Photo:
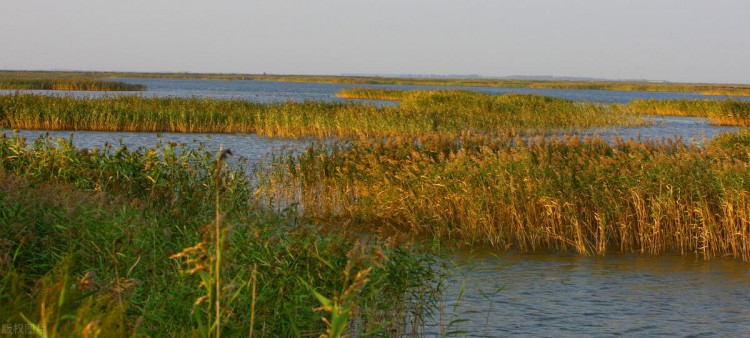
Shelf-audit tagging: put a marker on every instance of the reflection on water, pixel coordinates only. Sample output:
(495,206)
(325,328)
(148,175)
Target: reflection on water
(630,295)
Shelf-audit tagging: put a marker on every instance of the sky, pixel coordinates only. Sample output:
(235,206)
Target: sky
(672,40)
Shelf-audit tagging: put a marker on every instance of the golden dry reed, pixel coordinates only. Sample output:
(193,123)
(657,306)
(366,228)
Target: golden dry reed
(719,112)
(586,196)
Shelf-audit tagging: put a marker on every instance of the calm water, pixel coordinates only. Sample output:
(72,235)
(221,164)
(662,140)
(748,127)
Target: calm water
(541,295)
(625,295)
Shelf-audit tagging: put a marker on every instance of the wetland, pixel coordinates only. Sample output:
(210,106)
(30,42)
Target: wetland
(433,211)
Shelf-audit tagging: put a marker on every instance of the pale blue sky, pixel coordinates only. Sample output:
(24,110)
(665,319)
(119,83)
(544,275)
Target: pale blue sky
(676,40)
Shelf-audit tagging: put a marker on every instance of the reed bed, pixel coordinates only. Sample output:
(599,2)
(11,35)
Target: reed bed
(373,94)
(420,112)
(719,112)
(87,237)
(68,84)
(585,196)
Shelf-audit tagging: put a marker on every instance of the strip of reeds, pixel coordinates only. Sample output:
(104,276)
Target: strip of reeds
(707,89)
(585,196)
(86,238)
(68,84)
(719,112)
(372,94)
(420,112)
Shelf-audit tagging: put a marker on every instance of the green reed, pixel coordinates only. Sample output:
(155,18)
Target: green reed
(418,113)
(719,112)
(586,196)
(87,237)
(68,84)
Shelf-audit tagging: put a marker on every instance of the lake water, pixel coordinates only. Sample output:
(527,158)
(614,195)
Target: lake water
(267,91)
(542,295)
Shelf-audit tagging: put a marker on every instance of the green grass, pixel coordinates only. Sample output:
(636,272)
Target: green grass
(87,237)
(420,112)
(67,84)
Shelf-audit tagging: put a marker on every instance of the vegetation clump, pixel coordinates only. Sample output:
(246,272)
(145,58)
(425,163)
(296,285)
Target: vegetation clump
(87,238)
(585,196)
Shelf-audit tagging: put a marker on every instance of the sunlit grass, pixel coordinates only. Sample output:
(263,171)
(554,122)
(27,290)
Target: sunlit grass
(373,94)
(585,196)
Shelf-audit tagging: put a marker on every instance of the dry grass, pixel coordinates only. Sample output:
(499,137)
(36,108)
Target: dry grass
(719,112)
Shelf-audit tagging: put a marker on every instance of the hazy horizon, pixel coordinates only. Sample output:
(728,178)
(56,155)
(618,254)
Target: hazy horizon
(669,40)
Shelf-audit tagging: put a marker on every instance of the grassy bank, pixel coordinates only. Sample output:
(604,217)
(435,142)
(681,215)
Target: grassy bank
(420,112)
(704,88)
(719,112)
(584,196)
(67,84)
(124,243)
